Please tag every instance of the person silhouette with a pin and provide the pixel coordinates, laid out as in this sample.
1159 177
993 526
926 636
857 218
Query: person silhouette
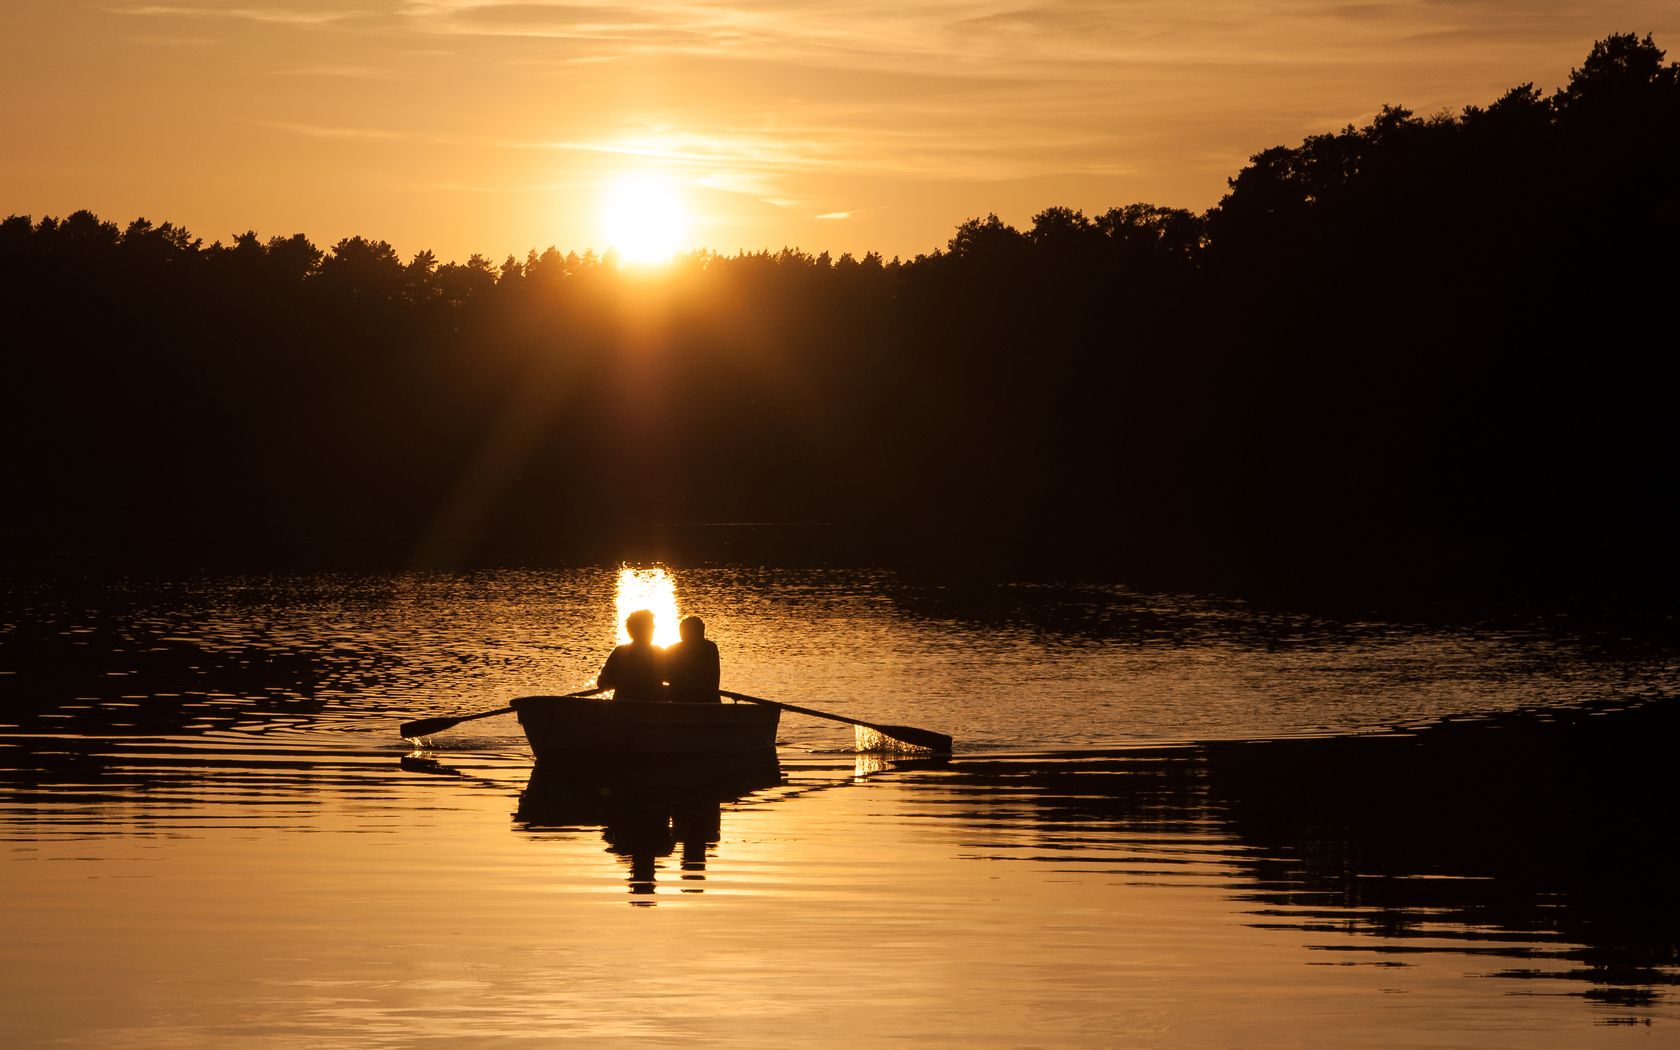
636 669
692 666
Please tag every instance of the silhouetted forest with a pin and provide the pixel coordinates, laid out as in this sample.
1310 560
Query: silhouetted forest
1428 354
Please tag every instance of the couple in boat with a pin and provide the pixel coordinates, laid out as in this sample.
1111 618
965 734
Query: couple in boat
687 672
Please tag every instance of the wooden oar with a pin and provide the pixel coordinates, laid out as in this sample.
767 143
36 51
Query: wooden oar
926 739
422 727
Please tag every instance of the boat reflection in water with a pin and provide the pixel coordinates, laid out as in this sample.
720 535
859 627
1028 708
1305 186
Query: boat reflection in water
649 810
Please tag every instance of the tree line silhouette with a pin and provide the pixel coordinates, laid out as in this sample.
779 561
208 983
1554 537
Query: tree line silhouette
1427 354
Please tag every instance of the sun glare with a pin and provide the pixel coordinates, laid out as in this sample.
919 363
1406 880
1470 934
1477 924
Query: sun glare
653 590
643 219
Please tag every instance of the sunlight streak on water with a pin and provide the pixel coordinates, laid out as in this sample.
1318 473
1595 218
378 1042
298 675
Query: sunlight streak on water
654 590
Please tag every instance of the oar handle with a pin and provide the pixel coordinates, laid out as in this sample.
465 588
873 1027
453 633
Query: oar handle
424 727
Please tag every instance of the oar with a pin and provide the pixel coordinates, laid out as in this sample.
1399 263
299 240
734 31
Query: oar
422 727
926 739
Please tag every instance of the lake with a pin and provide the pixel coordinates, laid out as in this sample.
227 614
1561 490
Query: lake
1170 821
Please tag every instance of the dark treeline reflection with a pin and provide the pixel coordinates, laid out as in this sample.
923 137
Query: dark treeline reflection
1412 355
1536 839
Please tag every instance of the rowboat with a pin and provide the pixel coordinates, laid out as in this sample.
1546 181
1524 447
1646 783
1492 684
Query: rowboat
581 731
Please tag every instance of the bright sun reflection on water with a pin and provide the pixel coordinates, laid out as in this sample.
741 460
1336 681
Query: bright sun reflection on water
652 589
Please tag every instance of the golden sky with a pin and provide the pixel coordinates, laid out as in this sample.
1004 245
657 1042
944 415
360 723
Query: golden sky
478 126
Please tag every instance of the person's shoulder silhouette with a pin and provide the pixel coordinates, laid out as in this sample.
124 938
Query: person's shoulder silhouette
692 665
635 670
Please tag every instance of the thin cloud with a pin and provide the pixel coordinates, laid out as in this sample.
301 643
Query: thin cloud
154 40
656 27
264 15
746 184
696 150
347 73
320 131
492 189
920 146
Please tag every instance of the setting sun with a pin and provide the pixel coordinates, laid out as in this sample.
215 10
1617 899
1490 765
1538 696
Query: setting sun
643 219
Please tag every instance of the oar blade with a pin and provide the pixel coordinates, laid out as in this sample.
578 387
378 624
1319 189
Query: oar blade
924 739
424 727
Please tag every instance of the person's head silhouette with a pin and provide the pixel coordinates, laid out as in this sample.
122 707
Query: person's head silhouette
692 628
639 625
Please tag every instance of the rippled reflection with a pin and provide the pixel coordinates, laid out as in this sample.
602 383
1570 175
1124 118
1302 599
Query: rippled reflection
1537 844
1455 864
211 832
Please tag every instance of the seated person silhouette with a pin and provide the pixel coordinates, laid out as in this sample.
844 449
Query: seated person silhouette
636 669
691 665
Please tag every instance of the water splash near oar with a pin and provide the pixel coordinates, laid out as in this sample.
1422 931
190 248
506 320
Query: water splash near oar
868 740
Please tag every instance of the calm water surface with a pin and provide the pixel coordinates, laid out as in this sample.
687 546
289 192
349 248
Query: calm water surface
211 832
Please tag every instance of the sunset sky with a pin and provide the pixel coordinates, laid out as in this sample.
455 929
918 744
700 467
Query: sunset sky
472 126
